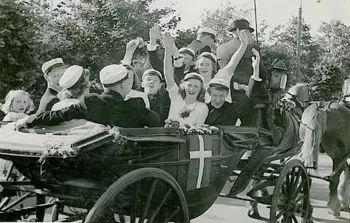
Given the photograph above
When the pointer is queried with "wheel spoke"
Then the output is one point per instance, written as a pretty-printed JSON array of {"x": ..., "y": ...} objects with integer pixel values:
[
  {"x": 148, "y": 201},
  {"x": 280, "y": 214},
  {"x": 151, "y": 219},
  {"x": 288, "y": 184},
  {"x": 300, "y": 198},
  {"x": 295, "y": 220},
  {"x": 134, "y": 203},
  {"x": 297, "y": 189},
  {"x": 172, "y": 215}
]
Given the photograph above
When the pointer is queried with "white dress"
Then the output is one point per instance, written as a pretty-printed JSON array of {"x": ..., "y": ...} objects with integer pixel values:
[{"x": 191, "y": 114}]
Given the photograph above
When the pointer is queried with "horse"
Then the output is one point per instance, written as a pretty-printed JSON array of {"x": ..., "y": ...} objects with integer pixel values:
[
  {"x": 325, "y": 125},
  {"x": 285, "y": 127}
]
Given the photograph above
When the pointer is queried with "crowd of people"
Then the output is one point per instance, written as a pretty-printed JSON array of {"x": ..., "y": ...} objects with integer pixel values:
[{"x": 192, "y": 86}]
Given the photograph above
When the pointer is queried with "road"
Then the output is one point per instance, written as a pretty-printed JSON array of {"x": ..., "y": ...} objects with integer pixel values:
[{"x": 227, "y": 210}]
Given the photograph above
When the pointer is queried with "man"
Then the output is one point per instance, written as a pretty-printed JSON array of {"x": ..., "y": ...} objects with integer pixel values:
[
  {"x": 158, "y": 97},
  {"x": 221, "y": 112},
  {"x": 206, "y": 37},
  {"x": 53, "y": 71},
  {"x": 109, "y": 108}
]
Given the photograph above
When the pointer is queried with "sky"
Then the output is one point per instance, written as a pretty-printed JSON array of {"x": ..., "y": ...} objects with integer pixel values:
[{"x": 275, "y": 12}]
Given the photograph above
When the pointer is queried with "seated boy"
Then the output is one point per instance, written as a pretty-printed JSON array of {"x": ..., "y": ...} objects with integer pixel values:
[
  {"x": 152, "y": 83},
  {"x": 221, "y": 112}
]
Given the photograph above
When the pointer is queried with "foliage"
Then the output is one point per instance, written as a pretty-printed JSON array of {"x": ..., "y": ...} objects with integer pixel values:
[
  {"x": 185, "y": 37},
  {"x": 221, "y": 19}
]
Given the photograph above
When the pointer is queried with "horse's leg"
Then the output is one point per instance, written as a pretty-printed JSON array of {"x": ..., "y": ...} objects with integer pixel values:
[
  {"x": 344, "y": 189},
  {"x": 334, "y": 203}
]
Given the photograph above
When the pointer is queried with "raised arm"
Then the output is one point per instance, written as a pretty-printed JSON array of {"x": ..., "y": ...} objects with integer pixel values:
[
  {"x": 256, "y": 71},
  {"x": 168, "y": 65},
  {"x": 131, "y": 46},
  {"x": 237, "y": 56}
]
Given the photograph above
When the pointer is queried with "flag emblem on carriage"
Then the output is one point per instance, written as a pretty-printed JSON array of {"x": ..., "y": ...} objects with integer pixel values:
[{"x": 200, "y": 161}]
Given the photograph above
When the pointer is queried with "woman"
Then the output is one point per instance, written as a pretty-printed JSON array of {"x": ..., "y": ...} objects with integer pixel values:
[
  {"x": 187, "y": 100},
  {"x": 75, "y": 83}
]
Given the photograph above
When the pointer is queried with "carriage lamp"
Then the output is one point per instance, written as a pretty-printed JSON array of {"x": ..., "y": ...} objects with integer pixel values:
[
  {"x": 346, "y": 89},
  {"x": 278, "y": 79}
]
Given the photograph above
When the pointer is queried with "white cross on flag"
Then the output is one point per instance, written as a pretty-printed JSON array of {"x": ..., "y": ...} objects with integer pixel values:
[{"x": 200, "y": 161}]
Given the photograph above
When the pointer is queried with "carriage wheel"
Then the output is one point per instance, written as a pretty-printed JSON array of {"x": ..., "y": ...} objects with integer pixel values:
[
  {"x": 146, "y": 193},
  {"x": 291, "y": 197}
]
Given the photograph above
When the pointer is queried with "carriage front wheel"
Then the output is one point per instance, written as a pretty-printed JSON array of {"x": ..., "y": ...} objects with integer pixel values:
[
  {"x": 291, "y": 196},
  {"x": 147, "y": 193}
]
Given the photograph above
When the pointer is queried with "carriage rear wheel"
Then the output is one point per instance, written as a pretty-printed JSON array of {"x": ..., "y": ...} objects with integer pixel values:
[
  {"x": 146, "y": 193},
  {"x": 291, "y": 196}
]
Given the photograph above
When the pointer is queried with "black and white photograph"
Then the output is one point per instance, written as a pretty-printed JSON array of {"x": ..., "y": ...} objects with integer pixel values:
[{"x": 175, "y": 111}]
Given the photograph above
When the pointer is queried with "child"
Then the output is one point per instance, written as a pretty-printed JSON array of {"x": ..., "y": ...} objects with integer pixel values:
[{"x": 18, "y": 105}]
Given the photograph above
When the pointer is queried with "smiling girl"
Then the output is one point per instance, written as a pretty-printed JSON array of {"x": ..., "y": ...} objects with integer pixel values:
[
  {"x": 187, "y": 100},
  {"x": 17, "y": 105}
]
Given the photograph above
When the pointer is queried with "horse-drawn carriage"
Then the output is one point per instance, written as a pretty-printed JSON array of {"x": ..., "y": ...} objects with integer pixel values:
[{"x": 158, "y": 174}]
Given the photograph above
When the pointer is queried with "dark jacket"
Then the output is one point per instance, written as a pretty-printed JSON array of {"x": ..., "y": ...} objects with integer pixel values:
[
  {"x": 227, "y": 114},
  {"x": 109, "y": 108},
  {"x": 48, "y": 99},
  {"x": 199, "y": 47},
  {"x": 160, "y": 103}
]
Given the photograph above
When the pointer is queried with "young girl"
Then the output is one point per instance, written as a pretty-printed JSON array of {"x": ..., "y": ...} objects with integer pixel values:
[
  {"x": 18, "y": 105},
  {"x": 187, "y": 100}
]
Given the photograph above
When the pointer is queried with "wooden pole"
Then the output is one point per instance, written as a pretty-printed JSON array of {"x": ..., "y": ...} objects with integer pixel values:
[
  {"x": 256, "y": 23},
  {"x": 299, "y": 39}
]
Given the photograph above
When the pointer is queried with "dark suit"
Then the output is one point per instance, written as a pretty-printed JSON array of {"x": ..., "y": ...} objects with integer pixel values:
[
  {"x": 227, "y": 114},
  {"x": 199, "y": 47},
  {"x": 48, "y": 99},
  {"x": 160, "y": 103},
  {"x": 109, "y": 108}
]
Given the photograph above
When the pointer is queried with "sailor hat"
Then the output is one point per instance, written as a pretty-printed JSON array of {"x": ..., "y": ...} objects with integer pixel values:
[{"x": 111, "y": 74}]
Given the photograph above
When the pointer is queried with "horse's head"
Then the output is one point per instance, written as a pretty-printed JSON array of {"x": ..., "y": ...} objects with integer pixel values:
[{"x": 300, "y": 94}]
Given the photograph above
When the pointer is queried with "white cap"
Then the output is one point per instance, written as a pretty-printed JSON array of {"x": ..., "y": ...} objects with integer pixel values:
[
  {"x": 71, "y": 76},
  {"x": 113, "y": 73},
  {"x": 57, "y": 62},
  {"x": 220, "y": 81},
  {"x": 193, "y": 75},
  {"x": 207, "y": 30},
  {"x": 208, "y": 55},
  {"x": 152, "y": 72},
  {"x": 188, "y": 51}
]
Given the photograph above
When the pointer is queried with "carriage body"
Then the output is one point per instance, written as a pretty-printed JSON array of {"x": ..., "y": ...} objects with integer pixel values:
[{"x": 201, "y": 164}]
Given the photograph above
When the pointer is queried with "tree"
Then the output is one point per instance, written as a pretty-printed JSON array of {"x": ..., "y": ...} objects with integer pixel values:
[
  {"x": 90, "y": 33},
  {"x": 221, "y": 19},
  {"x": 334, "y": 64},
  {"x": 283, "y": 37}
]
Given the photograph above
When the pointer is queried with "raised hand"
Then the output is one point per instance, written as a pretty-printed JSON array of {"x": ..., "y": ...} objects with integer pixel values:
[
  {"x": 243, "y": 36},
  {"x": 132, "y": 45},
  {"x": 154, "y": 33},
  {"x": 168, "y": 41},
  {"x": 256, "y": 64}
]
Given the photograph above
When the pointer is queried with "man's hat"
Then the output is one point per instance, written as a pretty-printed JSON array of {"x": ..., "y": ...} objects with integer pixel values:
[
  {"x": 280, "y": 65},
  {"x": 152, "y": 72},
  {"x": 219, "y": 81},
  {"x": 52, "y": 64},
  {"x": 111, "y": 74},
  {"x": 71, "y": 76},
  {"x": 241, "y": 24},
  {"x": 193, "y": 75},
  {"x": 210, "y": 56},
  {"x": 208, "y": 30},
  {"x": 188, "y": 51}
]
